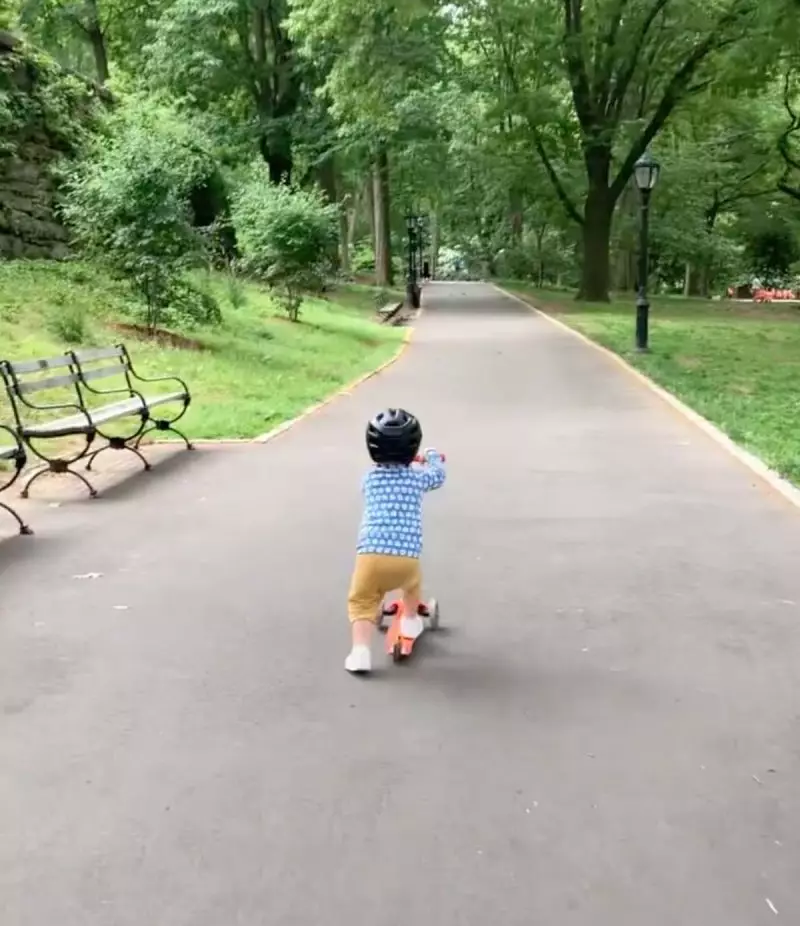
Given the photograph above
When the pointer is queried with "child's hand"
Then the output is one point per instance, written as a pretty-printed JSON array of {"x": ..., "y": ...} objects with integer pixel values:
[{"x": 433, "y": 456}]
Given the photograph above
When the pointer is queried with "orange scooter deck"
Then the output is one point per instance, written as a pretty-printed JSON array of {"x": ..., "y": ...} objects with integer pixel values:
[{"x": 397, "y": 645}]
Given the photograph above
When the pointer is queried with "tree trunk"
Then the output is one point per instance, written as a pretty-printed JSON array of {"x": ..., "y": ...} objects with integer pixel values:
[
  {"x": 276, "y": 149},
  {"x": 516, "y": 216},
  {"x": 351, "y": 219},
  {"x": 435, "y": 242},
  {"x": 383, "y": 240},
  {"x": 370, "y": 187},
  {"x": 596, "y": 241},
  {"x": 541, "y": 231},
  {"x": 276, "y": 95}
]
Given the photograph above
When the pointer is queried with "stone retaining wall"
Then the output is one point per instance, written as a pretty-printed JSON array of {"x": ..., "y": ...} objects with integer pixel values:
[{"x": 29, "y": 223}]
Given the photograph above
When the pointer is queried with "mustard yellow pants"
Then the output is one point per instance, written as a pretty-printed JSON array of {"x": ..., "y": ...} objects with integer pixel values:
[{"x": 376, "y": 575}]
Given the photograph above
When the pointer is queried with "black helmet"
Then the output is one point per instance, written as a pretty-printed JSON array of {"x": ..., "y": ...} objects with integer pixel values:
[{"x": 394, "y": 436}]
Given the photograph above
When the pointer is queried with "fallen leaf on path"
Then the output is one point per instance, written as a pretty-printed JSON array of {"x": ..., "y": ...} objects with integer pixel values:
[{"x": 89, "y": 575}]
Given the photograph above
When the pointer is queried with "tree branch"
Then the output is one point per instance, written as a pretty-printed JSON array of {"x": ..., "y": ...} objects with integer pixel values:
[
  {"x": 616, "y": 98},
  {"x": 675, "y": 90},
  {"x": 604, "y": 56},
  {"x": 538, "y": 143},
  {"x": 561, "y": 192},
  {"x": 576, "y": 65}
]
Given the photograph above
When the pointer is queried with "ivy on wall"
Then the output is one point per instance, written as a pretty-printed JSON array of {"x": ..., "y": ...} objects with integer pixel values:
[{"x": 41, "y": 101}]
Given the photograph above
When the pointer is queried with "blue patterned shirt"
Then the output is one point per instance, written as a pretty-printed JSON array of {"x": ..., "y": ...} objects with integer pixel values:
[{"x": 392, "y": 521}]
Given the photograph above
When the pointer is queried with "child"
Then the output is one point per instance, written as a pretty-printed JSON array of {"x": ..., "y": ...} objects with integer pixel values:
[{"x": 390, "y": 539}]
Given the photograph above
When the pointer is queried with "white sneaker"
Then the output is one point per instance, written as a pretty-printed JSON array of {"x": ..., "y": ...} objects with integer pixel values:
[
  {"x": 411, "y": 627},
  {"x": 359, "y": 660}
]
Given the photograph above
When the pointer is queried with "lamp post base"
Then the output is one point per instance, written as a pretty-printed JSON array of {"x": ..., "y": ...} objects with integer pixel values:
[
  {"x": 642, "y": 325},
  {"x": 412, "y": 296}
]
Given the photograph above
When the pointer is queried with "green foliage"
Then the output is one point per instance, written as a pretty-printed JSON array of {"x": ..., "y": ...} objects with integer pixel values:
[
  {"x": 8, "y": 14},
  {"x": 36, "y": 95},
  {"x": 287, "y": 237},
  {"x": 770, "y": 250},
  {"x": 68, "y": 323},
  {"x": 232, "y": 60},
  {"x": 127, "y": 202}
]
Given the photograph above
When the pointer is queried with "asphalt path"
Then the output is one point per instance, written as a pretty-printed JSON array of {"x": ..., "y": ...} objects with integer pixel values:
[{"x": 604, "y": 733}]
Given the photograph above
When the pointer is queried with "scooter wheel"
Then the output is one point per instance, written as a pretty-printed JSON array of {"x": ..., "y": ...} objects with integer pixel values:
[
  {"x": 433, "y": 614},
  {"x": 397, "y": 652}
]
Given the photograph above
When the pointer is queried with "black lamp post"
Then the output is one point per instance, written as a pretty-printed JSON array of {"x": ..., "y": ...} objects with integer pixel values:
[
  {"x": 424, "y": 222},
  {"x": 412, "y": 289},
  {"x": 645, "y": 172}
]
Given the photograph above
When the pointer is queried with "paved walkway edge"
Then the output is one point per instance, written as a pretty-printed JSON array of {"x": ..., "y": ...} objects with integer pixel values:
[{"x": 756, "y": 465}]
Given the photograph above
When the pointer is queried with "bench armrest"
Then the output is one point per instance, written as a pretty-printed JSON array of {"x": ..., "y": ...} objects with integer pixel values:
[
  {"x": 21, "y": 457},
  {"x": 67, "y": 406},
  {"x": 128, "y": 391},
  {"x": 159, "y": 379}
]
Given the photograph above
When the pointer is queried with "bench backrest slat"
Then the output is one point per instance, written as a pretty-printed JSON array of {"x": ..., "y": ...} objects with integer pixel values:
[
  {"x": 116, "y": 369},
  {"x": 91, "y": 354},
  {"x": 21, "y": 367},
  {"x": 48, "y": 382}
]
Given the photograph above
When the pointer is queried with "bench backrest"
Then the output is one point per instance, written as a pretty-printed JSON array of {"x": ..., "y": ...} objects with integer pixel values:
[
  {"x": 94, "y": 363},
  {"x": 25, "y": 377},
  {"x": 66, "y": 373}
]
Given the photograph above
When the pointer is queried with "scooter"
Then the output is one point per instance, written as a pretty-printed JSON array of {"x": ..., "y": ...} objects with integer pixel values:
[{"x": 398, "y": 646}]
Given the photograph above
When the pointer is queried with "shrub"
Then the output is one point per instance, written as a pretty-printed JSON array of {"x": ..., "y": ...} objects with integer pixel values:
[
  {"x": 286, "y": 237},
  {"x": 127, "y": 202},
  {"x": 68, "y": 324}
]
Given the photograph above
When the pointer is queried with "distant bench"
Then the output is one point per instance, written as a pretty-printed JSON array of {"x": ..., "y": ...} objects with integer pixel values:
[
  {"x": 12, "y": 454},
  {"x": 388, "y": 314},
  {"x": 76, "y": 411}
]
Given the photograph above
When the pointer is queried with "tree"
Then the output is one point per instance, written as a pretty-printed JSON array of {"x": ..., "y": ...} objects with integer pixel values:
[
  {"x": 234, "y": 60},
  {"x": 771, "y": 248},
  {"x": 287, "y": 237},
  {"x": 625, "y": 66},
  {"x": 380, "y": 53},
  {"x": 128, "y": 203}
]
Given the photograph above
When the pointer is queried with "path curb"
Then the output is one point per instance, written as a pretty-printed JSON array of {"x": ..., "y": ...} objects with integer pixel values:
[{"x": 756, "y": 465}]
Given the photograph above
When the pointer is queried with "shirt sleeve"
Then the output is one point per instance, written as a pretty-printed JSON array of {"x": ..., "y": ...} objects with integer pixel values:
[{"x": 433, "y": 473}]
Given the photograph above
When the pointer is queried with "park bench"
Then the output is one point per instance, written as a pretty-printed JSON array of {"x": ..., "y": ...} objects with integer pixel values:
[
  {"x": 79, "y": 410},
  {"x": 12, "y": 460},
  {"x": 390, "y": 313}
]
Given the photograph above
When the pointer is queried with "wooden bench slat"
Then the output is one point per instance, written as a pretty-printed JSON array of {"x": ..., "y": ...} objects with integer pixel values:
[
  {"x": 20, "y": 367},
  {"x": 90, "y": 354},
  {"x": 116, "y": 410},
  {"x": 154, "y": 400},
  {"x": 58, "y": 427},
  {"x": 49, "y": 382},
  {"x": 103, "y": 372}
]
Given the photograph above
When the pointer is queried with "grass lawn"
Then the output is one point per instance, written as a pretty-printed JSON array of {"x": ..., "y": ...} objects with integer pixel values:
[
  {"x": 248, "y": 375},
  {"x": 736, "y": 364}
]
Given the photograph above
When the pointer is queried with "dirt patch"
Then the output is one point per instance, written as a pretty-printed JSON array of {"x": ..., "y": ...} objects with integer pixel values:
[{"x": 160, "y": 336}]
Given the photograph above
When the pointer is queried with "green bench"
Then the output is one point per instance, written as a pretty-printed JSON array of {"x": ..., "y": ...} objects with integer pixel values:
[{"x": 81, "y": 411}]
